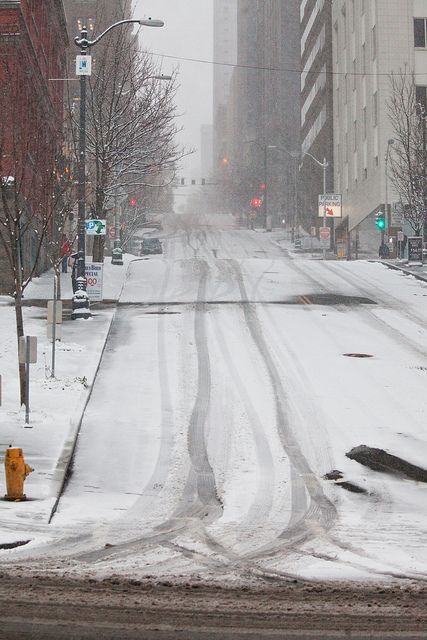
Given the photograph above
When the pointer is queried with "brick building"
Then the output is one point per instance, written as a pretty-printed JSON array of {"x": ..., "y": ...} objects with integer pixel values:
[{"x": 33, "y": 41}]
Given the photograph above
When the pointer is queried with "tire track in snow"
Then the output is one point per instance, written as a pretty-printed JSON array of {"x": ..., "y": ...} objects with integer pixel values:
[
  {"x": 263, "y": 500},
  {"x": 321, "y": 512}
]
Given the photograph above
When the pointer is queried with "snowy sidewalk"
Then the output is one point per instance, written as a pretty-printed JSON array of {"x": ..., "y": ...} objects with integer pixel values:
[{"x": 56, "y": 403}]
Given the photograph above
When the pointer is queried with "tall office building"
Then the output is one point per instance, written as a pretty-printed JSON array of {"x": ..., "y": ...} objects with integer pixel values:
[
  {"x": 316, "y": 107},
  {"x": 266, "y": 105},
  {"x": 225, "y": 55},
  {"x": 372, "y": 39},
  {"x": 206, "y": 148}
]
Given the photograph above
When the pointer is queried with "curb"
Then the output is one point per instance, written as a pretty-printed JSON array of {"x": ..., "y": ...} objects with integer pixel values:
[
  {"x": 65, "y": 460},
  {"x": 64, "y": 463},
  {"x": 404, "y": 270}
]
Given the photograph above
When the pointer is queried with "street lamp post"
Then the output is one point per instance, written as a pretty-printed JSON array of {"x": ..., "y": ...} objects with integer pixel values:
[
  {"x": 80, "y": 297},
  {"x": 324, "y": 166},
  {"x": 387, "y": 215},
  {"x": 295, "y": 157}
]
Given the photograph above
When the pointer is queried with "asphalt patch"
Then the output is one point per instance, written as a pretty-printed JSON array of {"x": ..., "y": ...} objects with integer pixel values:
[
  {"x": 380, "y": 460},
  {"x": 13, "y": 545},
  {"x": 337, "y": 477}
]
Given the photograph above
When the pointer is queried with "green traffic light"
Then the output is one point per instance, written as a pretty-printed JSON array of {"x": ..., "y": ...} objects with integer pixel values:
[{"x": 380, "y": 222}]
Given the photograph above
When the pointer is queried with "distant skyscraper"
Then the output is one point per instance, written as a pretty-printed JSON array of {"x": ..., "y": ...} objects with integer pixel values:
[
  {"x": 225, "y": 51},
  {"x": 266, "y": 105},
  {"x": 316, "y": 106},
  {"x": 206, "y": 146}
]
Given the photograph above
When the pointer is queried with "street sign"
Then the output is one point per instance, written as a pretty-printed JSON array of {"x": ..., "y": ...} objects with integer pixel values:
[
  {"x": 58, "y": 312},
  {"x": 83, "y": 65},
  {"x": 94, "y": 281},
  {"x": 415, "y": 250},
  {"x": 112, "y": 232},
  {"x": 27, "y": 350},
  {"x": 324, "y": 233},
  {"x": 331, "y": 204},
  {"x": 96, "y": 227},
  {"x": 400, "y": 236}
]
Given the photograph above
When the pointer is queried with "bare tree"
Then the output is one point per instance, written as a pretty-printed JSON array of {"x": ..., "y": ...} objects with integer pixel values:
[
  {"x": 408, "y": 160},
  {"x": 131, "y": 119},
  {"x": 28, "y": 180}
]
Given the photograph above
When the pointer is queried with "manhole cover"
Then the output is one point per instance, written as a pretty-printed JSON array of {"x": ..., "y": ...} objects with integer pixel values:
[{"x": 358, "y": 355}]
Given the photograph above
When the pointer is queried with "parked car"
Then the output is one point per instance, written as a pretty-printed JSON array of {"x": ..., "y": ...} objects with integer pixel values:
[{"x": 150, "y": 245}]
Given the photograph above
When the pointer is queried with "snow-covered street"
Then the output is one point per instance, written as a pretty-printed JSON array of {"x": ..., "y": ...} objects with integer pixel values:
[{"x": 227, "y": 389}]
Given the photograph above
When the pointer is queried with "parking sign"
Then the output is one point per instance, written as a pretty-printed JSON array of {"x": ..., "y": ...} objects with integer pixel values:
[
  {"x": 94, "y": 274},
  {"x": 83, "y": 65}
]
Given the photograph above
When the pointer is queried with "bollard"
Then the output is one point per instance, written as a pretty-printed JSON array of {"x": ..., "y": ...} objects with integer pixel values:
[{"x": 16, "y": 471}]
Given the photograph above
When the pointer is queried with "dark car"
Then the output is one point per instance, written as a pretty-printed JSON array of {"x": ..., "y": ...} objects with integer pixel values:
[{"x": 150, "y": 245}]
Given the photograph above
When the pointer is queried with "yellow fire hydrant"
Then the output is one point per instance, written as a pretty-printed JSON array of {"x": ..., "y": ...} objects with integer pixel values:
[{"x": 16, "y": 471}]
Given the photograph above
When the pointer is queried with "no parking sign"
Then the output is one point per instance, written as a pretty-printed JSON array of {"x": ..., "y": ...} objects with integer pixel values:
[{"x": 94, "y": 276}]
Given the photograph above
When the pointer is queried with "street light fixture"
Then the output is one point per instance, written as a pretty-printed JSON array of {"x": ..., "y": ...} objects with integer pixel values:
[
  {"x": 295, "y": 156},
  {"x": 80, "y": 297},
  {"x": 387, "y": 215},
  {"x": 324, "y": 166}
]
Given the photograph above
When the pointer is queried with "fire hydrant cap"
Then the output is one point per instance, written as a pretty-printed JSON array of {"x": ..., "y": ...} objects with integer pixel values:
[{"x": 14, "y": 452}]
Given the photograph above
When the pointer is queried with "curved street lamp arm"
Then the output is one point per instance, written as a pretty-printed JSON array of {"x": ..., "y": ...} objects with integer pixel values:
[
  {"x": 321, "y": 164},
  {"x": 295, "y": 156},
  {"x": 84, "y": 43}
]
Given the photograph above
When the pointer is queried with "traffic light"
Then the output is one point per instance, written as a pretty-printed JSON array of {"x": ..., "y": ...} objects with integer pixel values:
[
  {"x": 133, "y": 202},
  {"x": 256, "y": 203},
  {"x": 380, "y": 221}
]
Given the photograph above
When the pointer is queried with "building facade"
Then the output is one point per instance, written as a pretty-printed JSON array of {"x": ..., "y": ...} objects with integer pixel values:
[
  {"x": 265, "y": 107},
  {"x": 225, "y": 55},
  {"x": 372, "y": 40},
  {"x": 316, "y": 107},
  {"x": 32, "y": 72}
]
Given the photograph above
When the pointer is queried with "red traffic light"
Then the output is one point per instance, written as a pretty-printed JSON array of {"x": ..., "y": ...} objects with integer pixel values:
[
  {"x": 263, "y": 186},
  {"x": 256, "y": 203},
  {"x": 133, "y": 202}
]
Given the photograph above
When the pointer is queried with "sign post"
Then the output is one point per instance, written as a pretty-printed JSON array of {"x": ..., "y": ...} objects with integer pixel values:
[
  {"x": 54, "y": 321},
  {"x": 27, "y": 351}
]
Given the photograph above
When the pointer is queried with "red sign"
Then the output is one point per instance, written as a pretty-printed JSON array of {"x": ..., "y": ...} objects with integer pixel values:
[
  {"x": 112, "y": 232},
  {"x": 325, "y": 233}
]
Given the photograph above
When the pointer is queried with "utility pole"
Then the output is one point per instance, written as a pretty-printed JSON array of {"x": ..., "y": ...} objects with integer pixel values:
[{"x": 80, "y": 297}]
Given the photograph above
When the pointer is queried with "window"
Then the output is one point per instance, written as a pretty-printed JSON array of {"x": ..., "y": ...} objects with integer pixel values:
[
  {"x": 375, "y": 108},
  {"x": 420, "y": 32},
  {"x": 374, "y": 42},
  {"x": 421, "y": 98}
]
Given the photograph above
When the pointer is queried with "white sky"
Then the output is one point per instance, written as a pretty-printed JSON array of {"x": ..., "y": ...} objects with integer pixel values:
[{"x": 187, "y": 33}]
